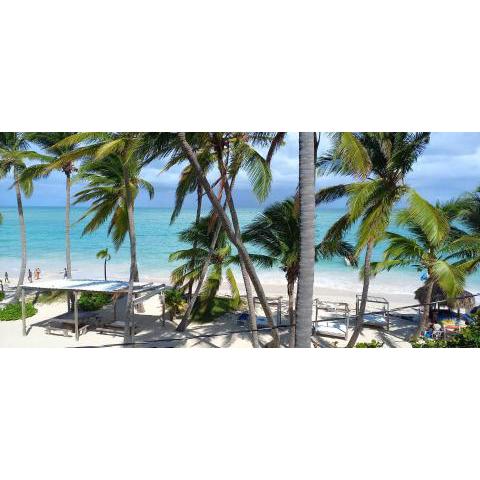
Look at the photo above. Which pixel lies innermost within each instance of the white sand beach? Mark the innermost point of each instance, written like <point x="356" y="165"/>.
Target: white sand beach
<point x="217" y="332"/>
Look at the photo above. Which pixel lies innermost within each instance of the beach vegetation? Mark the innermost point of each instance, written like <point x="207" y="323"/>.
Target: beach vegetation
<point x="54" y="161"/>
<point x="217" y="262"/>
<point x="432" y="245"/>
<point x="276" y="232"/>
<point x="91" y="301"/>
<point x="231" y="152"/>
<point x="14" y="153"/>
<point x="379" y="163"/>
<point x="175" y="302"/>
<point x="13" y="311"/>
<point x="371" y="344"/>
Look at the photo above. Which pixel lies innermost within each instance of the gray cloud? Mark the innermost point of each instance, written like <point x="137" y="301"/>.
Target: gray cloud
<point x="450" y="166"/>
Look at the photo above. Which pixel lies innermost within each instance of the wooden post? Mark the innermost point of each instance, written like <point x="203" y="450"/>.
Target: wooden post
<point x="75" y="314"/>
<point x="24" y="317"/>
<point x="163" y="308"/>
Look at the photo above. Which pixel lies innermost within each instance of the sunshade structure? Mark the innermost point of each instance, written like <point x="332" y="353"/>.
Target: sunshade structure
<point x="115" y="288"/>
<point x="464" y="300"/>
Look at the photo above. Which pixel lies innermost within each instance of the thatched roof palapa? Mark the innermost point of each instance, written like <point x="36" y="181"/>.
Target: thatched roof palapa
<point x="467" y="300"/>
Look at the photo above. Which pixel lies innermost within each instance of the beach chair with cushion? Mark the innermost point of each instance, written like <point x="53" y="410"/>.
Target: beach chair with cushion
<point x="332" y="319"/>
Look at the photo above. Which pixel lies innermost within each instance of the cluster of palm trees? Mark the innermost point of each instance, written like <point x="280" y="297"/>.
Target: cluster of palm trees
<point x="375" y="166"/>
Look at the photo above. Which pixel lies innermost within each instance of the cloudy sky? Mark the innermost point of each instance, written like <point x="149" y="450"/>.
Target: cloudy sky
<point x="449" y="166"/>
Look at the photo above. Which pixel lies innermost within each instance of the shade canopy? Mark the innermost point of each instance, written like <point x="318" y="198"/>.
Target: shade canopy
<point x="438" y="295"/>
<point x="104" y="286"/>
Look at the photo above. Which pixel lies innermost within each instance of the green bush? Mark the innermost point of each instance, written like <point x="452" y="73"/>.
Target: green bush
<point x="13" y="311"/>
<point x="90" y="301"/>
<point x="175" y="302"/>
<point x="2" y="296"/>
<point x="372" y="344"/>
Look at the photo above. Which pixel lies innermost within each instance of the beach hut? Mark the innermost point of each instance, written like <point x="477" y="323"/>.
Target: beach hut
<point x="464" y="300"/>
<point x="115" y="288"/>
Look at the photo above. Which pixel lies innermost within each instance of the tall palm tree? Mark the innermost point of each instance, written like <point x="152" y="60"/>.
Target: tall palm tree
<point x="106" y="257"/>
<point x="277" y="232"/>
<point x="125" y="146"/>
<point x="105" y="189"/>
<point x="306" y="192"/>
<point x="379" y="161"/>
<point x="432" y="244"/>
<point x="50" y="163"/>
<point x="232" y="152"/>
<point x="229" y="163"/>
<point x="200" y="235"/>
<point x="14" y="152"/>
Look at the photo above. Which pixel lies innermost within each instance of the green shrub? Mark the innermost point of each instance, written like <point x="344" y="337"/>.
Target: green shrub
<point x="372" y="344"/>
<point x="2" y="296"/>
<point x="13" y="311"/>
<point x="174" y="301"/>
<point x="90" y="301"/>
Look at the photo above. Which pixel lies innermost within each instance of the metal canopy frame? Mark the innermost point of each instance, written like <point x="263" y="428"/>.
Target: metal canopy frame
<point x="383" y="310"/>
<point x="274" y="302"/>
<point x="115" y="288"/>
<point x="341" y="308"/>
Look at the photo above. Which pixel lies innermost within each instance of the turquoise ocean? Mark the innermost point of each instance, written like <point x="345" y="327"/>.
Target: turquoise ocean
<point x="156" y="240"/>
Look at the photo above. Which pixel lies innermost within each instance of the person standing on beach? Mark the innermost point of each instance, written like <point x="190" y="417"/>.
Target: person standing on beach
<point x="29" y="275"/>
<point x="65" y="273"/>
<point x="6" y="278"/>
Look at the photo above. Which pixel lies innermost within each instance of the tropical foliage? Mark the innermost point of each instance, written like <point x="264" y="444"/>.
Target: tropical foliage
<point x="432" y="245"/>
<point x="13" y="311"/>
<point x="277" y="233"/>
<point x="379" y="162"/>
<point x="200" y="235"/>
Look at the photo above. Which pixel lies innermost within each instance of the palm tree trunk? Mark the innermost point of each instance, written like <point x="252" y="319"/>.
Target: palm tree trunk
<point x="67" y="227"/>
<point x="291" y="312"/>
<point x="105" y="269"/>
<point x="197" y="221"/>
<point x="187" y="149"/>
<point x="23" y="236"/>
<point x="363" y="301"/>
<point x="251" y="306"/>
<point x="307" y="241"/>
<point x="248" y="288"/>
<point x="426" y="310"/>
<point x="186" y="316"/>
<point x="68" y="259"/>
<point x="133" y="257"/>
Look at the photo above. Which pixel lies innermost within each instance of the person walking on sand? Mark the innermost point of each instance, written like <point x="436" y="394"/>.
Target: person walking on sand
<point x="6" y="278"/>
<point x="65" y="274"/>
<point x="29" y="275"/>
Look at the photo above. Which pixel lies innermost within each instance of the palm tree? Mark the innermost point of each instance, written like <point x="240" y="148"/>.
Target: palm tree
<point x="200" y="236"/>
<point x="306" y="189"/>
<point x="466" y="209"/>
<point x="103" y="254"/>
<point x="125" y="147"/>
<point x="232" y="152"/>
<point x="105" y="189"/>
<point x="14" y="152"/>
<point x="47" y="141"/>
<point x="379" y="161"/>
<point x="277" y="232"/>
<point x="432" y="244"/>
